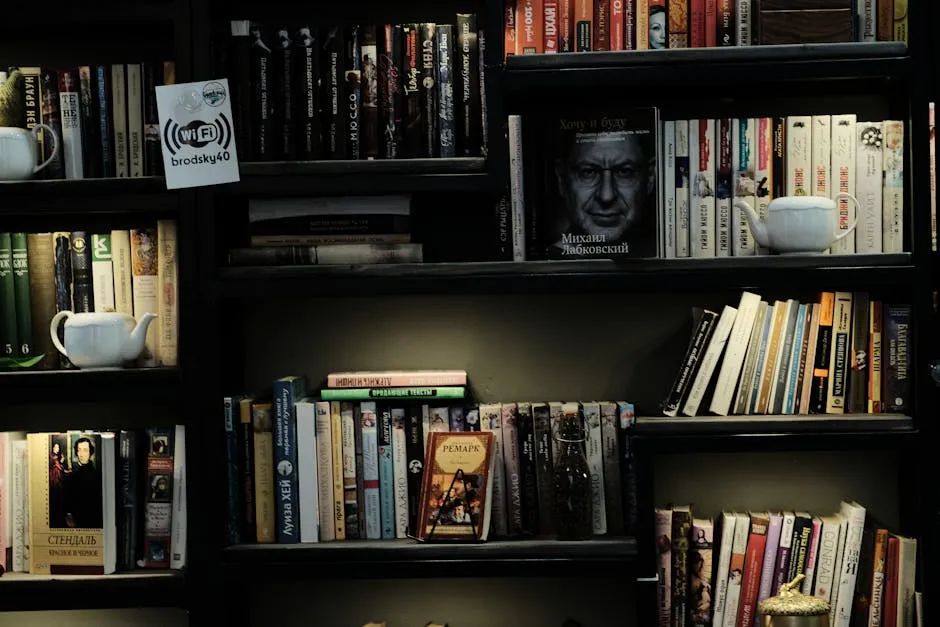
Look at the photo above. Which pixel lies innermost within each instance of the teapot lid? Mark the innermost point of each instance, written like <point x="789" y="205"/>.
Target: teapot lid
<point x="792" y="602"/>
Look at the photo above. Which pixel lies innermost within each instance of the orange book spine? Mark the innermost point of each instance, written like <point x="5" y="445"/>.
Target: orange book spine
<point x="753" y="564"/>
<point x="678" y="12"/>
<point x="875" y="405"/>
<point x="583" y="25"/>
<point x="529" y="27"/>
<point x="551" y="27"/>
<point x="642" y="18"/>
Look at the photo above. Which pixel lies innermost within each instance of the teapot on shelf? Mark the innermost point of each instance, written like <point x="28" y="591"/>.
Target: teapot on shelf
<point x="100" y="339"/>
<point x="798" y="224"/>
<point x="19" y="151"/>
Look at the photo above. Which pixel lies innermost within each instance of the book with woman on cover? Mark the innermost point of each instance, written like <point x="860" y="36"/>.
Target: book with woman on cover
<point x="597" y="197"/>
<point x="456" y="488"/>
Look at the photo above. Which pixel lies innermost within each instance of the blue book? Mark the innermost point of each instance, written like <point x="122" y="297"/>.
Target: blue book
<point x="287" y="391"/>
<point x="386" y="473"/>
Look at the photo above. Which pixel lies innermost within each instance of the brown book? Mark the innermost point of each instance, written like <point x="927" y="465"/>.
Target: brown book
<point x="41" y="258"/>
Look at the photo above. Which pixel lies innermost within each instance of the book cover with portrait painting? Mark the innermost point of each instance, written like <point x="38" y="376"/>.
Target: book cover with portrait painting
<point x="595" y="192"/>
<point x="71" y="503"/>
<point x="456" y="488"/>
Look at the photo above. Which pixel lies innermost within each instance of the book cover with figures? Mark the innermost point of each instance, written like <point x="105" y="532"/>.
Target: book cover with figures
<point x="598" y="193"/>
<point x="455" y="505"/>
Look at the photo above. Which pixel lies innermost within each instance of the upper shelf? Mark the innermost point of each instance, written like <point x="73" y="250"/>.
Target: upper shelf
<point x="93" y="385"/>
<point x="108" y="195"/>
<point x="23" y="592"/>
<point x="408" y="558"/>
<point x="738" y="65"/>
<point x="640" y="275"/>
<point x="100" y="12"/>
<point x="377" y="176"/>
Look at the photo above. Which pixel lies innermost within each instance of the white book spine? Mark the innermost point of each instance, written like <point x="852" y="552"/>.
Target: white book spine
<point x="743" y="160"/>
<point x="855" y="522"/>
<point x="840" y="552"/>
<point x="742" y="529"/>
<point x="308" y="492"/>
<point x="751" y="360"/>
<point x="682" y="188"/>
<point x="102" y="272"/>
<point x="516" y="188"/>
<point x="595" y="457"/>
<point x="370" y="471"/>
<point x="893" y="192"/>
<point x="70" y="111"/>
<point x="830" y="535"/>
<point x="867" y="20"/>
<point x="742" y="36"/>
<point x="19" y="504"/>
<point x="907" y="569"/>
<point x="670" y="220"/>
<point x="763" y="169"/>
<point x="178" y="524"/>
<point x="123" y="272"/>
<point x="799" y="159"/>
<point x="491" y="420"/>
<point x="782" y="358"/>
<point x="702" y="203"/>
<point x="347" y="417"/>
<point x="734" y="355"/>
<point x="399" y="471"/>
<point x="724" y="565"/>
<point x="716" y="346"/>
<point x="843" y="168"/>
<point x="869" y="160"/>
<point x="821" y="149"/>
<point x="324" y="439"/>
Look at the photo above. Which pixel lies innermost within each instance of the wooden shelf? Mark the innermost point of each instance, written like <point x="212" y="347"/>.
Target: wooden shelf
<point x="663" y="434"/>
<point x="23" y="592"/>
<point x="393" y="558"/>
<point x="709" y="66"/>
<point x="641" y="275"/>
<point x="379" y="176"/>
<point x="86" y="386"/>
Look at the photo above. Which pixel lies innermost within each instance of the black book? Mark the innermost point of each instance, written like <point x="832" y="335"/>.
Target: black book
<point x="414" y="449"/>
<point x="446" y="127"/>
<point x="239" y="58"/>
<point x="368" y="93"/>
<point x="91" y="145"/>
<point x="594" y="184"/>
<point x="528" y="483"/>
<point x="305" y="96"/>
<point x="469" y="114"/>
<point x="153" y="155"/>
<point x="262" y="99"/>
<point x="701" y="334"/>
<point x="283" y="91"/>
<point x="411" y="76"/>
<point x="430" y="91"/>
<point x="52" y="116"/>
<point x="83" y="297"/>
<point x="333" y="96"/>
<point x="390" y="91"/>
<point x="352" y="72"/>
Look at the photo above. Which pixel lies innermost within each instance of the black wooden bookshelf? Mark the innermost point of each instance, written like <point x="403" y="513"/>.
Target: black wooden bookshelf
<point x="220" y="579"/>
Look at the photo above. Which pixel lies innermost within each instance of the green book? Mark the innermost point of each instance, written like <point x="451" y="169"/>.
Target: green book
<point x="9" y="345"/>
<point x="365" y="394"/>
<point x="24" y="320"/>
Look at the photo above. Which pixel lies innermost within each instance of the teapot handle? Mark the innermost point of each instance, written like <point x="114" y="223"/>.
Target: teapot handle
<point x="54" y="329"/>
<point x="55" y="147"/>
<point x="854" y="222"/>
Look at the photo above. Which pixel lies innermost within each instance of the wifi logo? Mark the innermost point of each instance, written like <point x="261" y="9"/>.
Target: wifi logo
<point x="197" y="134"/>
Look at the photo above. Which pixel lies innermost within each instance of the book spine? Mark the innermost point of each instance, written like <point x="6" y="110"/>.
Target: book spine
<point x="527" y="469"/>
<point x="893" y="192"/>
<point x="763" y="170"/>
<point x="594" y="448"/>
<point x="510" y="438"/>
<point x="246" y="467"/>
<point x="869" y="187"/>
<point x="682" y="187"/>
<point x="400" y="470"/>
<point x="352" y="80"/>
<point x="119" y="118"/>
<point x="897" y="382"/>
<point x="799" y="545"/>
<point x="369" y="93"/>
<point x="782" y="566"/>
<point x="821" y="371"/>
<point x="135" y="125"/>
<point x="843" y="169"/>
<point x="467" y="98"/>
<point x="325" y="471"/>
<point x="350" y="502"/>
<point x="700" y="552"/>
<point x="839" y="359"/>
<point x="19" y="267"/>
<point x="308" y="484"/>
<point x="601" y="25"/>
<point x="687" y="369"/>
<point x="83" y="297"/>
<point x="362" y="394"/>
<point x="306" y="94"/>
<point x="743" y="162"/>
<point x="724" y="180"/>
<point x="669" y="189"/>
<point x="626" y="416"/>
<point x="875" y="326"/>
<point x="812" y="557"/>
<point x="753" y="561"/>
<point x="414" y="433"/>
<point x="613" y="491"/>
<point x="412" y="112"/>
<point x="285" y="462"/>
<point x="338" y="503"/>
<point x="429" y="91"/>
<point x="263" y="438"/>
<point x="334" y="96"/>
<point x="370" y="471"/>
<point x="105" y="120"/>
<point x="70" y="110"/>
<point x="541" y="421"/>
<point x="261" y="77"/>
<point x="233" y="503"/>
<point x="663" y="525"/>
<point x="826" y="566"/>
<point x="282" y="82"/>
<point x="681" y="530"/>
<point x="393" y="75"/>
<point x="583" y="25"/>
<point x="491" y="420"/>
<point x="129" y="510"/>
<point x="397" y="379"/>
<point x="153" y="155"/>
<point x="52" y="117"/>
<point x="566" y="35"/>
<point x="702" y="206"/>
<point x="447" y="132"/>
<point x="386" y="471"/>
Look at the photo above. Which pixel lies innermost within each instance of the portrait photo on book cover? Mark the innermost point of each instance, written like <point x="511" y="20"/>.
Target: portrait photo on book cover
<point x="75" y="491"/>
<point x="601" y="188"/>
<point x="459" y="504"/>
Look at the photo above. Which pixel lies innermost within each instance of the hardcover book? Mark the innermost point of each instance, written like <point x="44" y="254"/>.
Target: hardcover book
<point x="456" y="488"/>
<point x="597" y="193"/>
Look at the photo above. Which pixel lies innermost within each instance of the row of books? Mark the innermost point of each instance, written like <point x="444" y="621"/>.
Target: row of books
<point x="358" y="92"/>
<point x="104" y="117"/>
<point x="718" y="572"/>
<point x="88" y="502"/>
<point x="132" y="271"/>
<point x="710" y="164"/>
<point x="356" y="466"/>
<point x="550" y="26"/>
<point x="844" y="353"/>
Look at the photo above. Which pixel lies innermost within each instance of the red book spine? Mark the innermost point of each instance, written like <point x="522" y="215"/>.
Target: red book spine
<point x="566" y="24"/>
<point x="889" y="614"/>
<point x="753" y="563"/>
<point x="601" y="25"/>
<point x="529" y="27"/>
<point x="697" y="12"/>
<point x="550" y="9"/>
<point x="711" y="23"/>
<point x="616" y="25"/>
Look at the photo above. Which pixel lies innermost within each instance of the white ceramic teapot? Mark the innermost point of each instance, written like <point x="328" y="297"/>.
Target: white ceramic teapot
<point x="19" y="151"/>
<point x="100" y="339"/>
<point x="798" y="224"/>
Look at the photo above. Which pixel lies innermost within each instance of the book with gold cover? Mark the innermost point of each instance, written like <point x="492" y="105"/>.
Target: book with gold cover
<point x="72" y="528"/>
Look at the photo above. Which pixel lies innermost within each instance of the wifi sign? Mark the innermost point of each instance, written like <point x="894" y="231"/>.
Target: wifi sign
<point x="197" y="134"/>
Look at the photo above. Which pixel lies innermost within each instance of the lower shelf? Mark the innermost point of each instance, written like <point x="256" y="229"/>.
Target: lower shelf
<point x="23" y="592"/>
<point x="407" y="558"/>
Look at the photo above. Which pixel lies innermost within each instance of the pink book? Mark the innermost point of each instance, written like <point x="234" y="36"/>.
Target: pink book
<point x="770" y="556"/>
<point x="396" y="378"/>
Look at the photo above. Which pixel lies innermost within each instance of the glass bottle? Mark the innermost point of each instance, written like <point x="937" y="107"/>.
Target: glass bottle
<point x="573" y="505"/>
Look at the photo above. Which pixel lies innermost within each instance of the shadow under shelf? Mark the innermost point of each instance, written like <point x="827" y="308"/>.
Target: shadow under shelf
<point x="157" y="588"/>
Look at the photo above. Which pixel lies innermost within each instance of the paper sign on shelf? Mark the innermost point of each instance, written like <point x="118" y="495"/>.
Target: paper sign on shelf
<point x="197" y="134"/>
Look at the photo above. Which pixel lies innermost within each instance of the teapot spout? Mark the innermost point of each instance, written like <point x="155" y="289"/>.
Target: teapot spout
<point x="134" y="344"/>
<point x="758" y="227"/>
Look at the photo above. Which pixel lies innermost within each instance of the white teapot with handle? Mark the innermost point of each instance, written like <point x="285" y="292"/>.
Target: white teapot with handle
<point x="100" y="339"/>
<point x="798" y="224"/>
<point x="19" y="151"/>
